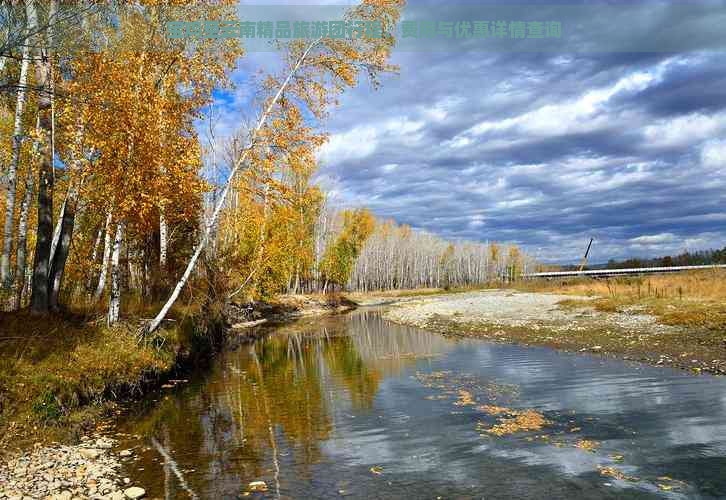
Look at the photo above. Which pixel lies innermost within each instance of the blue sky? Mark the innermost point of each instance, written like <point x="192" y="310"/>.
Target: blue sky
<point x="545" y="149"/>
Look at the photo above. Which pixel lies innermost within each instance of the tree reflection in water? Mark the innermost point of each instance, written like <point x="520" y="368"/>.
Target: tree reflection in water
<point x="268" y="406"/>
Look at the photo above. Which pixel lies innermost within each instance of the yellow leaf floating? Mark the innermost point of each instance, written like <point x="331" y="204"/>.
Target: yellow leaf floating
<point x="587" y="445"/>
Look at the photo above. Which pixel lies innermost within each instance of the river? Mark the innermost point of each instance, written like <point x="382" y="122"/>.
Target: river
<point x="353" y="406"/>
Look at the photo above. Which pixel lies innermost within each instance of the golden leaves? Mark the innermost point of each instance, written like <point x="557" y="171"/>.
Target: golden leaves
<point x="517" y="421"/>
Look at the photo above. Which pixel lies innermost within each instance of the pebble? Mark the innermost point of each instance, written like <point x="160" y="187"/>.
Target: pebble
<point x="62" y="472"/>
<point x="134" y="492"/>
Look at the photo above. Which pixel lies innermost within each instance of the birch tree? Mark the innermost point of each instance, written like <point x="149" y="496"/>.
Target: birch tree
<point x="40" y="297"/>
<point x="317" y="71"/>
<point x="17" y="139"/>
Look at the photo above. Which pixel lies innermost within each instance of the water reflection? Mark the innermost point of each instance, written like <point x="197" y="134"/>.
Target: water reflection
<point x="336" y="407"/>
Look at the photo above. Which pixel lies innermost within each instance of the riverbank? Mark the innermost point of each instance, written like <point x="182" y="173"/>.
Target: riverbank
<point x="389" y="297"/>
<point x="63" y="375"/>
<point x="89" y="469"/>
<point x="567" y="322"/>
<point x="60" y="375"/>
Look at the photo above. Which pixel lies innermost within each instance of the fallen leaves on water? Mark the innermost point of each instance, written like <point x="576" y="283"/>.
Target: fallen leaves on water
<point x="465" y="398"/>
<point x="617" y="458"/>
<point x="616" y="474"/>
<point x="520" y="421"/>
<point x="587" y="445"/>
<point x="377" y="470"/>
<point x="494" y="410"/>
<point x="668" y="483"/>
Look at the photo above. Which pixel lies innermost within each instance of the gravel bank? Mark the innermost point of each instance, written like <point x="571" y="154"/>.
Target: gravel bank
<point x="515" y="309"/>
<point x="87" y="470"/>
<point x="538" y="319"/>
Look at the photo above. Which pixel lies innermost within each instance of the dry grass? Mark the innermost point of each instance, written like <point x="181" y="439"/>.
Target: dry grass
<point x="696" y="299"/>
<point x="59" y="373"/>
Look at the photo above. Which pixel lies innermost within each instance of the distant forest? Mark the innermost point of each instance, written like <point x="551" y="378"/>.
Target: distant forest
<point x="704" y="257"/>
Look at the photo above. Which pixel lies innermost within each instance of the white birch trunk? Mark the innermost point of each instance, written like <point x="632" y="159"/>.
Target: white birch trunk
<point x="104" y="261"/>
<point x="94" y="256"/>
<point x="22" y="250"/>
<point x="220" y="202"/>
<point x="114" y="302"/>
<point x="58" y="225"/>
<point x="21" y="99"/>
<point x="163" y="242"/>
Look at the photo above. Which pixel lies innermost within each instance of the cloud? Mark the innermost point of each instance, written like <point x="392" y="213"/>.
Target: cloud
<point x="713" y="154"/>
<point x="542" y="149"/>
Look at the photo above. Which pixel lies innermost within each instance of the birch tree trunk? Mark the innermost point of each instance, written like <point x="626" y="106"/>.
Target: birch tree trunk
<point x="61" y="247"/>
<point x="94" y="256"/>
<point x="21" y="257"/>
<point x="106" y="256"/>
<point x="163" y="242"/>
<point x="22" y="97"/>
<point x="220" y="202"/>
<point x="58" y="227"/>
<point x="114" y="302"/>
<point x="40" y="297"/>
<point x="58" y="264"/>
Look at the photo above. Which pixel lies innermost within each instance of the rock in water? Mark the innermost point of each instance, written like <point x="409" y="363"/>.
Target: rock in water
<point x="89" y="453"/>
<point x="134" y="492"/>
<point x="257" y="486"/>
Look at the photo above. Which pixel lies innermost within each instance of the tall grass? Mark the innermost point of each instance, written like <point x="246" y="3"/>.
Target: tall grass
<point x="696" y="299"/>
<point x="708" y="285"/>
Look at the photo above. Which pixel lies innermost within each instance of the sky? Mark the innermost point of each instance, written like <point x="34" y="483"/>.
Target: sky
<point x="544" y="149"/>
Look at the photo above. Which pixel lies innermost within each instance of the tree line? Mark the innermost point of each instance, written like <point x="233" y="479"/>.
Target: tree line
<point x="685" y="258"/>
<point x="113" y="202"/>
<point x="107" y="197"/>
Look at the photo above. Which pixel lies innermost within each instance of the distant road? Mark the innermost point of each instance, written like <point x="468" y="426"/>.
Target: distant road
<point x="618" y="272"/>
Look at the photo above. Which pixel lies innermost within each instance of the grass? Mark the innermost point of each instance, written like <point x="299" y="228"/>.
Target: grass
<point x="58" y="374"/>
<point x="694" y="300"/>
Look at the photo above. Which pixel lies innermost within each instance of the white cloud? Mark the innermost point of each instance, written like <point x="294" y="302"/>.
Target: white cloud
<point x="363" y="140"/>
<point x="653" y="239"/>
<point x="713" y="154"/>
<point x="357" y="143"/>
<point x="683" y="131"/>
<point x="582" y="114"/>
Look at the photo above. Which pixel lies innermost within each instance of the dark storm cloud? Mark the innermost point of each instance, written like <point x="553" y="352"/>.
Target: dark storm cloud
<point x="548" y="148"/>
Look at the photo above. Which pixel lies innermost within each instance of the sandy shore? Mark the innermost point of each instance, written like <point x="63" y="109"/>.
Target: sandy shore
<point x="539" y="319"/>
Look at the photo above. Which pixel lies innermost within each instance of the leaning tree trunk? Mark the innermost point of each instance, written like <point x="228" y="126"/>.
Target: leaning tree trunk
<point x="67" y="222"/>
<point x="58" y="227"/>
<point x="220" y="202"/>
<point x="58" y="264"/>
<point x="114" y="303"/>
<point x="22" y="97"/>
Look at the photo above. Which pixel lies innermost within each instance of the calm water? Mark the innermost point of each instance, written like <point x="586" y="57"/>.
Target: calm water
<point x="356" y="407"/>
